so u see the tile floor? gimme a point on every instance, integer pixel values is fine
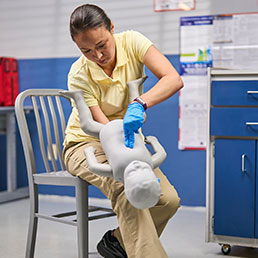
(184, 236)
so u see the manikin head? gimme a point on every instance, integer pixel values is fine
(142, 188)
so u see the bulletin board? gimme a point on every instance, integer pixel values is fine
(223, 41)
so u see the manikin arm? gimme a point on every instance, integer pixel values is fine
(95, 166)
(133, 87)
(159, 153)
(88, 125)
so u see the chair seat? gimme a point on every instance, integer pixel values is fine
(56, 178)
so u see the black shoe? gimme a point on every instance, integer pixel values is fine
(109, 246)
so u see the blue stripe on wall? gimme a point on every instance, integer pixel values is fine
(44, 73)
(184, 169)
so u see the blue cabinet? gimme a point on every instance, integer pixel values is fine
(232, 158)
(234, 196)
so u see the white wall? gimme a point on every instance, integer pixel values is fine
(39, 28)
(233, 6)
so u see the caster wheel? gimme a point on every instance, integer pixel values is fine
(225, 249)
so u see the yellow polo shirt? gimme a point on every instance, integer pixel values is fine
(111, 94)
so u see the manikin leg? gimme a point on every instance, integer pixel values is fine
(88, 125)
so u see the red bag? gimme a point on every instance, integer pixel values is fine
(9, 87)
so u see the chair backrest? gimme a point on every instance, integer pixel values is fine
(42, 130)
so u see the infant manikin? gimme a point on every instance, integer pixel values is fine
(134, 167)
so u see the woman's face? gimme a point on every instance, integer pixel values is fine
(98, 45)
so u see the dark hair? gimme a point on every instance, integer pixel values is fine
(88, 16)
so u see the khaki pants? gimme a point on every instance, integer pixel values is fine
(139, 230)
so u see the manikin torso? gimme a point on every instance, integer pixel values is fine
(134, 167)
(118, 155)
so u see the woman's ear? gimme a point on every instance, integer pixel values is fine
(111, 27)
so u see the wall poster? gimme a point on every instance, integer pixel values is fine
(195, 57)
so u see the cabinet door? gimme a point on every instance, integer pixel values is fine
(234, 213)
(256, 209)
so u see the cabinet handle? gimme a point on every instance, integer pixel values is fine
(252, 92)
(243, 163)
(251, 123)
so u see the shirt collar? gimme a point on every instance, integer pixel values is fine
(97, 73)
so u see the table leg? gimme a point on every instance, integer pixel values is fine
(11, 152)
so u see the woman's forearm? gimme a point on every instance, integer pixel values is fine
(169, 80)
(166, 87)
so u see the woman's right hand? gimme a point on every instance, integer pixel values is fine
(132, 122)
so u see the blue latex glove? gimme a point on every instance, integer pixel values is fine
(133, 120)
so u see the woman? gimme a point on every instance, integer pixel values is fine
(107, 63)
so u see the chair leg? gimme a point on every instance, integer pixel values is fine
(33, 226)
(82, 218)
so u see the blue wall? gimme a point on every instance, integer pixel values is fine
(185, 169)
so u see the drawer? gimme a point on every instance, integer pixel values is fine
(234, 93)
(226, 121)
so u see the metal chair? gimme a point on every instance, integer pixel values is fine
(44, 130)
